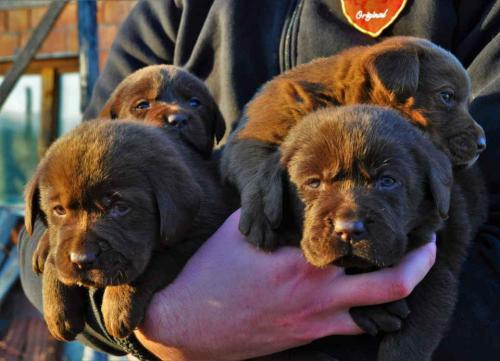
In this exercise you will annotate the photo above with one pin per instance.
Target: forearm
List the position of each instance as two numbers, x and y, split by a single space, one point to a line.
233 302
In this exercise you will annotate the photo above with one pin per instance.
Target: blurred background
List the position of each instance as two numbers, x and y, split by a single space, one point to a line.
51 52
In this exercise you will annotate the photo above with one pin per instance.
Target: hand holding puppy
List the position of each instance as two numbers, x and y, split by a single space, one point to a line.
227 286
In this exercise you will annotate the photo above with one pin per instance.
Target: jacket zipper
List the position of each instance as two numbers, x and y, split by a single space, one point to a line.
288 51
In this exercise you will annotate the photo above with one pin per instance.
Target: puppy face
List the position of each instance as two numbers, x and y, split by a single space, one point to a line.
170 98
111 193
365 177
431 86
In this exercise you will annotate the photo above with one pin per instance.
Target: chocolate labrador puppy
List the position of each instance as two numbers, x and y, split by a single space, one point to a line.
373 188
424 82
170 98
167 97
125 206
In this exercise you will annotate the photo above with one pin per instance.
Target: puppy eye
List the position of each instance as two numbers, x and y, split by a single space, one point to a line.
143 105
194 102
313 183
118 209
447 97
59 211
387 182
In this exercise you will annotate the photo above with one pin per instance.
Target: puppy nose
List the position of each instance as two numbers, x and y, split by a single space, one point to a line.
349 229
82 260
481 144
177 120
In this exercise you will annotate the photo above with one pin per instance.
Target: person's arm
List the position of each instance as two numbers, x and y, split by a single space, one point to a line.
233 302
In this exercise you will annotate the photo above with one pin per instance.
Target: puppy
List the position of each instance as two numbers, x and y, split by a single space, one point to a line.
166 97
373 188
424 82
125 206
170 98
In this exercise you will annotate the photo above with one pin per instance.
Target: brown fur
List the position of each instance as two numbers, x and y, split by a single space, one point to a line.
403 73
168 90
125 206
339 160
174 100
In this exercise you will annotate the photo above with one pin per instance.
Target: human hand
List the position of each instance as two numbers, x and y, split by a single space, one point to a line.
233 302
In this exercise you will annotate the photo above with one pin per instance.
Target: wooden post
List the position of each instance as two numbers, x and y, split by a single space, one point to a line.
50 106
23 59
89 56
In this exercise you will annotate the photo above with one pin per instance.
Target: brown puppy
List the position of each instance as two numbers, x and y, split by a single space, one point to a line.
170 98
423 81
167 97
125 206
427 84
373 188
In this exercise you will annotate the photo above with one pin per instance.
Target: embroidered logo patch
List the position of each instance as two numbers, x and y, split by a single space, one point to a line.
372 16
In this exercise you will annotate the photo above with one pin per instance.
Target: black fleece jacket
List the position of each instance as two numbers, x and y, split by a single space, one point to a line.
237 45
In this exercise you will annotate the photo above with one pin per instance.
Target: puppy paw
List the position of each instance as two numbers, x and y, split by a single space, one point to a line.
254 224
62 306
64 325
270 176
400 345
385 318
121 312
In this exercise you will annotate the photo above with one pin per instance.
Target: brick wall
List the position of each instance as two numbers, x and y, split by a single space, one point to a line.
17 24
110 15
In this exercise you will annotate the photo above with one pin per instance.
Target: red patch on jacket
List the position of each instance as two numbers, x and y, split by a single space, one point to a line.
372 16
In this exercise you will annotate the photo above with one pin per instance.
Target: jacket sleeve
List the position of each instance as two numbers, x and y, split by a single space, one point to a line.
476 325
478 47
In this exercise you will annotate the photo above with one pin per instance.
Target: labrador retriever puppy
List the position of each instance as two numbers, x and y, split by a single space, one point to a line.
125 206
373 188
170 98
167 97
422 81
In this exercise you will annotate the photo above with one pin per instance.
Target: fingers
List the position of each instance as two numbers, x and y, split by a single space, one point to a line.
388 284
335 324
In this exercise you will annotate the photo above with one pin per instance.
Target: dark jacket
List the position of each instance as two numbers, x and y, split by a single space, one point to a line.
237 45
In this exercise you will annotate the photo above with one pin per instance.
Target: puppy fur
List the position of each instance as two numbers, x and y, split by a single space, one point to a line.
125 206
373 188
167 97
424 82
170 98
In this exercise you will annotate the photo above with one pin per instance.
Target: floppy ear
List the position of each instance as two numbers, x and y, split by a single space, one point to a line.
178 199
438 171
32 203
219 125
288 150
309 95
396 70
109 110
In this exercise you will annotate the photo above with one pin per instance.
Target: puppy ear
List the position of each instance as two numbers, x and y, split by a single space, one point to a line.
397 71
32 203
309 95
438 171
219 125
295 140
178 199
109 110
297 92
288 149
441 188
